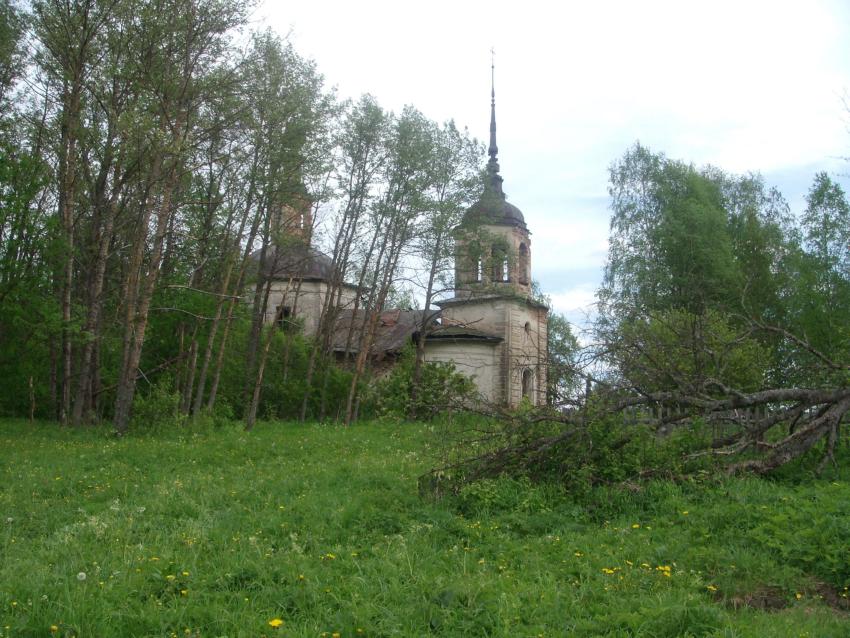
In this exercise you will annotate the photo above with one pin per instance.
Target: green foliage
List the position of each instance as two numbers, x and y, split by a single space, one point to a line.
504 494
677 349
158 409
669 245
285 378
441 389
321 527
725 250
562 347
811 536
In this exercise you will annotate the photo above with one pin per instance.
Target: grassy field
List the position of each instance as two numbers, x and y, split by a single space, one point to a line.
319 531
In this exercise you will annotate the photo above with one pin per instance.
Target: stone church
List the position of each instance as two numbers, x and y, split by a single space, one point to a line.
491 329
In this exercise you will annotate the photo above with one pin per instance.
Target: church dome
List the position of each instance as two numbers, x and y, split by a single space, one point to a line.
297 260
492 209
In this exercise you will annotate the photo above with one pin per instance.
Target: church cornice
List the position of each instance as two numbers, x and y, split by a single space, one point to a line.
477 299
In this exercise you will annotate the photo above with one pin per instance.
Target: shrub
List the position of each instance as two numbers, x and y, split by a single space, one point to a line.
158 409
440 388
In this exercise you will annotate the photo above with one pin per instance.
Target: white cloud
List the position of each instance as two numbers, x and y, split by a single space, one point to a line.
577 304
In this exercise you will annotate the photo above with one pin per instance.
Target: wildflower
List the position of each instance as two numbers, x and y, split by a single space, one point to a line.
335 634
185 573
685 513
81 576
170 577
53 629
798 595
184 592
711 588
636 526
578 554
275 623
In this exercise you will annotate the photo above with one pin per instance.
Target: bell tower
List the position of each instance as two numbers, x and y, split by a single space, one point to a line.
493 286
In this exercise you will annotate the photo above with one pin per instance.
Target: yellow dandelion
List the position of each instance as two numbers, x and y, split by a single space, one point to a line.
275 623
798 595
636 526
711 588
53 629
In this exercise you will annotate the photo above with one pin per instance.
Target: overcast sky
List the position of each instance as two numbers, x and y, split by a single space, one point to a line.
745 85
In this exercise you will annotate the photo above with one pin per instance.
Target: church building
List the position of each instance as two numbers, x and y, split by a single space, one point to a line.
491 329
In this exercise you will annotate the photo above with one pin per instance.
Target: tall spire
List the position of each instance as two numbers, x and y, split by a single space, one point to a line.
494 179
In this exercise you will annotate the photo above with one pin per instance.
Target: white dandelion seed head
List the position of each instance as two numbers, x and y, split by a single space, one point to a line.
81 576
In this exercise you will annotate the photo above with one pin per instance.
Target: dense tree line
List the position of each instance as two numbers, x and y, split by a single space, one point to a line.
719 303
151 152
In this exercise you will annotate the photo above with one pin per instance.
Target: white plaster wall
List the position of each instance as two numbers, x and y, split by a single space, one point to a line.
477 360
521 349
526 350
306 301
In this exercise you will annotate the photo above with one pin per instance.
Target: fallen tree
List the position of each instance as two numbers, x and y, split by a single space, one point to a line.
673 395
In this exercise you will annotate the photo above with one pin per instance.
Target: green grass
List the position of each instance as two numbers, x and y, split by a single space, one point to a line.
216 533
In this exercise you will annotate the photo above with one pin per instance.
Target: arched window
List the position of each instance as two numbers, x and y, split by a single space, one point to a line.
523 264
501 270
528 384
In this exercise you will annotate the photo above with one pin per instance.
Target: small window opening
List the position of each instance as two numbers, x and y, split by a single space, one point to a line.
283 318
527 383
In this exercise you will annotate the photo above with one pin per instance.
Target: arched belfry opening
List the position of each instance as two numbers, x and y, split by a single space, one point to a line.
501 269
522 264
